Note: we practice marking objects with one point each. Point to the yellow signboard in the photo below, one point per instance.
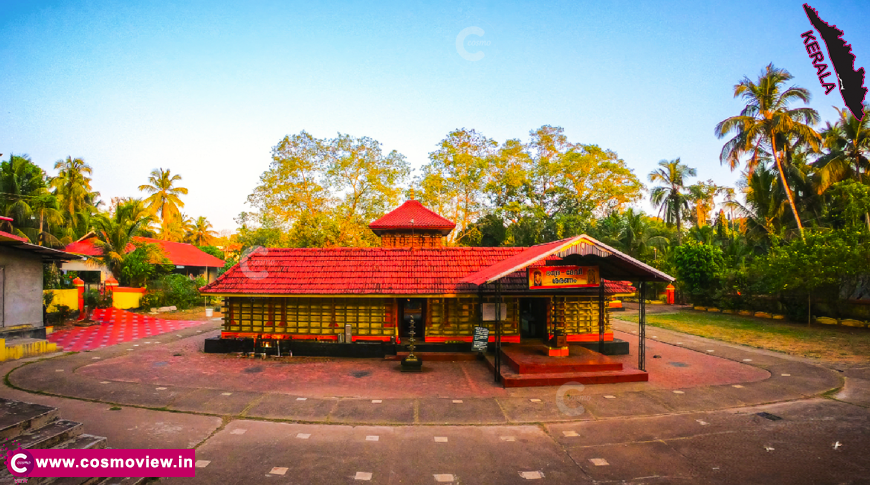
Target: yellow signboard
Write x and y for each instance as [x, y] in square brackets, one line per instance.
[549, 277]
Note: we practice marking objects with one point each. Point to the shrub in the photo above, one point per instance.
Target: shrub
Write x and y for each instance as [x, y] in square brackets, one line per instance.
[173, 290]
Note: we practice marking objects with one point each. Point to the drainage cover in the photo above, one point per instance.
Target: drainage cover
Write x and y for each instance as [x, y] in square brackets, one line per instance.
[360, 373]
[678, 364]
[253, 370]
[160, 364]
[769, 416]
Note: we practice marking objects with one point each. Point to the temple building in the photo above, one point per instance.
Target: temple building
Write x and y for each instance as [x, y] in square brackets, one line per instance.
[372, 294]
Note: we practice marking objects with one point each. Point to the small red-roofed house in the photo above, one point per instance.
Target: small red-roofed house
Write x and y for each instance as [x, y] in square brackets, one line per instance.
[21, 282]
[187, 258]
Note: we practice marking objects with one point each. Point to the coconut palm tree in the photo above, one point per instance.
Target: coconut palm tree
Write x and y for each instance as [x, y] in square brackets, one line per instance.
[767, 121]
[848, 148]
[115, 232]
[201, 233]
[72, 187]
[703, 198]
[165, 201]
[25, 198]
[670, 197]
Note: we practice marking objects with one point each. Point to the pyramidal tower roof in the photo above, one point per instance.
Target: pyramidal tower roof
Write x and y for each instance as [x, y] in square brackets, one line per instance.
[412, 216]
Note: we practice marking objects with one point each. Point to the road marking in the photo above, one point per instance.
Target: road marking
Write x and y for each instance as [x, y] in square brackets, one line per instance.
[443, 477]
[303, 436]
[377, 401]
[747, 360]
[372, 438]
[96, 358]
[535, 475]
[535, 400]
[160, 388]
[711, 351]
[702, 422]
[238, 431]
[226, 394]
[738, 386]
[507, 438]
[457, 401]
[599, 461]
[441, 439]
[202, 463]
[608, 396]
[569, 434]
[104, 382]
[786, 375]
[301, 398]
[679, 392]
[362, 476]
[58, 370]
[278, 470]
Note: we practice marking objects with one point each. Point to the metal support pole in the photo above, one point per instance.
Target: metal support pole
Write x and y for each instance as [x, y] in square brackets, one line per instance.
[641, 329]
[601, 316]
[498, 331]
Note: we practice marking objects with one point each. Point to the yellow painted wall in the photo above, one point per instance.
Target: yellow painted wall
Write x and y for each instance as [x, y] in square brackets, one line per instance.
[124, 300]
[25, 350]
[69, 298]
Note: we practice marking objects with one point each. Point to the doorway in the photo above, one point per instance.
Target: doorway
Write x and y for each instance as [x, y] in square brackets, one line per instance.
[533, 318]
[416, 308]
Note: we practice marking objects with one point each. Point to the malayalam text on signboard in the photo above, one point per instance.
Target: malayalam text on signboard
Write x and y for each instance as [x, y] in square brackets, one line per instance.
[549, 277]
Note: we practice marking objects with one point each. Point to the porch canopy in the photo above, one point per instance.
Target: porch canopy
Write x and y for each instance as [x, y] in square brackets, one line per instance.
[581, 250]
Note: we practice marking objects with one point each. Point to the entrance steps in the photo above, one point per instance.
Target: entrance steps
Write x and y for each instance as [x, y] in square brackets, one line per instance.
[34, 426]
[529, 366]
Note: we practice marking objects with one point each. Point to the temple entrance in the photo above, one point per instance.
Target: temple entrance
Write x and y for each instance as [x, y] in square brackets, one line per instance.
[412, 307]
[533, 318]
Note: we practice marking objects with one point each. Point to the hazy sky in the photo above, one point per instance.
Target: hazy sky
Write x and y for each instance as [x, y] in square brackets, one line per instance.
[208, 88]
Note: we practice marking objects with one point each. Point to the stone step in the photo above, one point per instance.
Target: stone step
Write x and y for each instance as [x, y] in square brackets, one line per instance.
[18, 417]
[83, 442]
[50, 435]
[123, 481]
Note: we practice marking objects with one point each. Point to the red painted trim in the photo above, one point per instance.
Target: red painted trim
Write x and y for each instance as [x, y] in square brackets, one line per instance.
[124, 289]
[510, 339]
[589, 337]
[371, 337]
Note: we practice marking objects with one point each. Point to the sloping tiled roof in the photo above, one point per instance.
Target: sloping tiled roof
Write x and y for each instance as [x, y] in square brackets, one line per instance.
[374, 271]
[179, 254]
[5, 236]
[412, 215]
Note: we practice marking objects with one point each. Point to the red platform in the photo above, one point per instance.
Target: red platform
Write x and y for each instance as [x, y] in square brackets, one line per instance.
[529, 366]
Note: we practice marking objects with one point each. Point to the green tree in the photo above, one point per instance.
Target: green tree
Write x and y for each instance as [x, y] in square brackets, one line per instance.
[201, 233]
[116, 232]
[699, 270]
[670, 197]
[72, 187]
[165, 199]
[24, 197]
[767, 121]
[847, 144]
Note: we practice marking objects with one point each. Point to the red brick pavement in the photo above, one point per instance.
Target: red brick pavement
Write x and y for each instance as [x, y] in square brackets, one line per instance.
[116, 326]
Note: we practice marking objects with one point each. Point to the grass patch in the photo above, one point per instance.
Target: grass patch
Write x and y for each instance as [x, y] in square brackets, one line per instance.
[824, 342]
[114, 408]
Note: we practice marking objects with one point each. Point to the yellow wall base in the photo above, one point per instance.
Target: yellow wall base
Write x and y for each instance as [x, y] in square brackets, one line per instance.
[22, 350]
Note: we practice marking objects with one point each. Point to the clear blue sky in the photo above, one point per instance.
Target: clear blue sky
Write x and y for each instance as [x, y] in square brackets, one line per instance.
[207, 88]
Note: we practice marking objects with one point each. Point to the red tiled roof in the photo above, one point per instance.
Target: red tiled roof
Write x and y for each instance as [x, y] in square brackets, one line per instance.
[387, 271]
[518, 261]
[7, 236]
[412, 215]
[179, 254]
